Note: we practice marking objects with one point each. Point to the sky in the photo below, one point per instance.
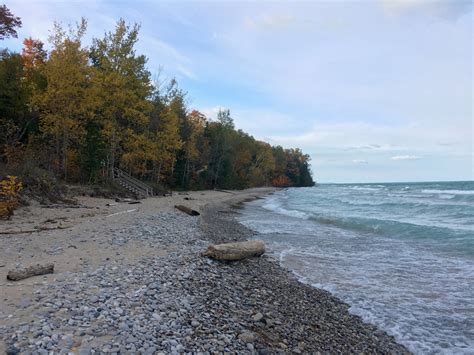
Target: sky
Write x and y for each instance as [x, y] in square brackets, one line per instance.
[373, 91]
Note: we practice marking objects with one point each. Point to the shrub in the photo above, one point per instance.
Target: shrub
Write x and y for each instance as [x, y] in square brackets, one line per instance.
[9, 196]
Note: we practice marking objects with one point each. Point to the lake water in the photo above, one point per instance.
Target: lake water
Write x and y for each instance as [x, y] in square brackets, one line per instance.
[401, 255]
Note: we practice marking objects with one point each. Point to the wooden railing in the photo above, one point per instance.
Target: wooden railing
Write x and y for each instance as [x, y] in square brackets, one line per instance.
[132, 184]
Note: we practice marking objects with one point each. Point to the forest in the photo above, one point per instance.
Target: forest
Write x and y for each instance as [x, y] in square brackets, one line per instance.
[76, 112]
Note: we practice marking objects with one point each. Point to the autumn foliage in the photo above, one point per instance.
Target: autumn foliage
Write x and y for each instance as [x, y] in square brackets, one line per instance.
[83, 111]
[10, 188]
[281, 181]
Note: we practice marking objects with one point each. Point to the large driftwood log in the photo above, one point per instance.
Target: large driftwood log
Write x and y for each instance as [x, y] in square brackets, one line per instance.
[187, 210]
[235, 251]
[35, 270]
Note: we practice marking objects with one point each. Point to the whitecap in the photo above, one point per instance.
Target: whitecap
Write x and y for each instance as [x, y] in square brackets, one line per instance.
[450, 192]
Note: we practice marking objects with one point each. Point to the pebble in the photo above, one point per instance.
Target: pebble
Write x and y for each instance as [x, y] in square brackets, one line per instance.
[247, 337]
[181, 302]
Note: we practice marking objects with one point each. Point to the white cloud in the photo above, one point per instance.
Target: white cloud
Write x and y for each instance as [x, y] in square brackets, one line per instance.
[269, 21]
[211, 112]
[448, 9]
[186, 72]
[398, 139]
[360, 161]
[405, 157]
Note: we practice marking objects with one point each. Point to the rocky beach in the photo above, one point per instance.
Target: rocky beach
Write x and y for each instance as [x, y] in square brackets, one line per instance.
[131, 279]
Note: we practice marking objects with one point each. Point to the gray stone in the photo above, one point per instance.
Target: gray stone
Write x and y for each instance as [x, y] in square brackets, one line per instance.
[247, 337]
[257, 317]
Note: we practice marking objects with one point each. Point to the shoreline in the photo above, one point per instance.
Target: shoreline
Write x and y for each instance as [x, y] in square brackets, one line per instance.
[135, 282]
[335, 328]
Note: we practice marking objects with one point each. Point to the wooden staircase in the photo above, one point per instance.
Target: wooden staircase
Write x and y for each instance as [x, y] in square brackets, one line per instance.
[132, 184]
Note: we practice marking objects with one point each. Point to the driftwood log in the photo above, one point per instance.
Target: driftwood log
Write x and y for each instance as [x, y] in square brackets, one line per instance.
[187, 210]
[35, 270]
[235, 251]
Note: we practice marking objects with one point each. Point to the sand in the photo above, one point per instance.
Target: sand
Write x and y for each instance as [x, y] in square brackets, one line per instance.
[78, 242]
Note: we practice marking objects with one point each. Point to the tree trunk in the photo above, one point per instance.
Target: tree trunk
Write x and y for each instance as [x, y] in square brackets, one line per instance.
[112, 154]
[159, 173]
[185, 172]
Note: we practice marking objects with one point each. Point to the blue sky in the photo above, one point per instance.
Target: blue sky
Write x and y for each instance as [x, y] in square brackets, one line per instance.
[372, 90]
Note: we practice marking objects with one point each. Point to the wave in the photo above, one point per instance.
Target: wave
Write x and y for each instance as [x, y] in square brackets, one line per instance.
[277, 207]
[449, 192]
[386, 227]
[372, 225]
[363, 188]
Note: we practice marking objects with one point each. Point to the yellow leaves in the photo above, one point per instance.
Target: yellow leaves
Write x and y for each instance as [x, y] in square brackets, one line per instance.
[9, 195]
[138, 151]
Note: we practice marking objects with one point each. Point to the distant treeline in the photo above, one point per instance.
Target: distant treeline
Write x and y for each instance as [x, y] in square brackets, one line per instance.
[77, 112]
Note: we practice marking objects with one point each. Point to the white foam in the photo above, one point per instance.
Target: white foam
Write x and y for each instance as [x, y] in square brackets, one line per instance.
[363, 188]
[276, 206]
[449, 192]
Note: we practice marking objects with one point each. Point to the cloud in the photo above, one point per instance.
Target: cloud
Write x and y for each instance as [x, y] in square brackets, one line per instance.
[186, 72]
[366, 147]
[447, 9]
[211, 112]
[269, 21]
[360, 161]
[395, 139]
[405, 157]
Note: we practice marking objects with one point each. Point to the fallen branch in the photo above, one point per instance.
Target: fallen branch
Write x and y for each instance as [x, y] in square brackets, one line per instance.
[123, 200]
[37, 229]
[36, 270]
[65, 206]
[235, 251]
[187, 210]
[26, 231]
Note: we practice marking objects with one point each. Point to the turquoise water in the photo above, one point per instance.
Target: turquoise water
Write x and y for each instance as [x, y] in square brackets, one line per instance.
[400, 254]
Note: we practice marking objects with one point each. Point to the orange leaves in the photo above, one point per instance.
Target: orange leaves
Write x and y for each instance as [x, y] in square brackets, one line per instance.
[33, 53]
[281, 181]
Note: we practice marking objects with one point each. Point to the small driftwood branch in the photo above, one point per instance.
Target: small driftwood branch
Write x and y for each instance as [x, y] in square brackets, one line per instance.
[36, 230]
[122, 212]
[187, 210]
[235, 251]
[65, 206]
[35, 270]
[227, 192]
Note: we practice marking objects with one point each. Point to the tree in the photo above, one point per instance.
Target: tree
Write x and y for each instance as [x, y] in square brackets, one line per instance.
[8, 22]
[33, 53]
[123, 89]
[67, 104]
[79, 111]
[220, 134]
[13, 102]
[192, 131]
